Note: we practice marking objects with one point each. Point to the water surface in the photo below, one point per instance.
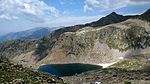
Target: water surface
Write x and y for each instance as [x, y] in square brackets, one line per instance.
[68, 69]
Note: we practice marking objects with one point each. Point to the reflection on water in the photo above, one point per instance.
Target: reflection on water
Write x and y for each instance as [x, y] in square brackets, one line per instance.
[68, 69]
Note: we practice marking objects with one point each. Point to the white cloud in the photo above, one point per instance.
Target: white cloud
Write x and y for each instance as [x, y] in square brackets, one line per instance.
[72, 20]
[26, 8]
[105, 5]
[87, 8]
[7, 17]
[29, 9]
[54, 11]
[92, 2]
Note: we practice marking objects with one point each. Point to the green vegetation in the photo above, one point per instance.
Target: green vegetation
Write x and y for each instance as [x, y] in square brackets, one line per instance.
[140, 62]
[16, 74]
[135, 37]
[127, 82]
[130, 64]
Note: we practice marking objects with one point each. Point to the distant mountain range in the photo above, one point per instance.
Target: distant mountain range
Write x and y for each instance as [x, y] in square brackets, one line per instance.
[31, 34]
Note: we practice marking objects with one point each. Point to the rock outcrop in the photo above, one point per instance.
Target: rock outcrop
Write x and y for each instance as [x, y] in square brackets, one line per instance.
[102, 45]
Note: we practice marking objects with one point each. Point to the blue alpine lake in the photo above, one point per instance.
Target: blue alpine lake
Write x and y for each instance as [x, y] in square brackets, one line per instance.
[68, 69]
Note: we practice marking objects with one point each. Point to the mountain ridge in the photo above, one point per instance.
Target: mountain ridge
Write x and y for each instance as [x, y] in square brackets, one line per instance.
[101, 45]
[54, 36]
[32, 34]
[47, 49]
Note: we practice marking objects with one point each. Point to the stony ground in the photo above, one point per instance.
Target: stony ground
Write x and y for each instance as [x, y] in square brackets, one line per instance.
[110, 76]
[15, 74]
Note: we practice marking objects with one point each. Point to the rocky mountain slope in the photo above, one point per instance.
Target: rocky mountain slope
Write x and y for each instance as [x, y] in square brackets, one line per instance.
[102, 44]
[97, 42]
[32, 34]
[109, 19]
[11, 73]
[11, 49]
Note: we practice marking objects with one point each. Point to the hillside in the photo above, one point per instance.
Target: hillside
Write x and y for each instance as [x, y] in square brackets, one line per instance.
[16, 74]
[101, 45]
[137, 62]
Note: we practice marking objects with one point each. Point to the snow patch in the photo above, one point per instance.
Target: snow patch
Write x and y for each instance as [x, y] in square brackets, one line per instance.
[105, 65]
[121, 58]
[98, 83]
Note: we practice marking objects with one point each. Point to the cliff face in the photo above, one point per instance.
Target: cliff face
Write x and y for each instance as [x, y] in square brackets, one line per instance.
[102, 45]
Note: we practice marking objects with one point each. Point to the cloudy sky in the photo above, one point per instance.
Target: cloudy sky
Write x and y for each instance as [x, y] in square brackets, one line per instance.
[18, 15]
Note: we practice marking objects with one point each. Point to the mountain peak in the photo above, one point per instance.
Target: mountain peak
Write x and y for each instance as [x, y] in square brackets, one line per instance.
[113, 14]
[147, 12]
[109, 19]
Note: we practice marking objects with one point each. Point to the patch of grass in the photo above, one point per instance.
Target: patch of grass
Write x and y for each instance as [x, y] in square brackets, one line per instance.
[127, 82]
[133, 63]
[129, 64]
[14, 73]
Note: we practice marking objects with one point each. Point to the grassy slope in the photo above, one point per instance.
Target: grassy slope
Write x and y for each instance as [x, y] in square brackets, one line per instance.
[139, 62]
[11, 73]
